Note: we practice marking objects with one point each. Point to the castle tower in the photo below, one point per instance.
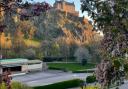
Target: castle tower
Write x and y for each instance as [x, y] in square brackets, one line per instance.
[65, 6]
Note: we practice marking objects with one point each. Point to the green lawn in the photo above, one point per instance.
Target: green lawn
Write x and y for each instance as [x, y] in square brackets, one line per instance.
[70, 66]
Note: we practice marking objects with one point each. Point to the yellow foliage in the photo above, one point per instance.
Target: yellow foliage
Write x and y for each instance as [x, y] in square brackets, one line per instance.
[2, 86]
[15, 85]
[5, 41]
[32, 32]
[92, 87]
[32, 43]
[15, 18]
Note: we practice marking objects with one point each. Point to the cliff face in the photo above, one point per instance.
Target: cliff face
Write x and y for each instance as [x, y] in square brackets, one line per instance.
[55, 24]
[52, 25]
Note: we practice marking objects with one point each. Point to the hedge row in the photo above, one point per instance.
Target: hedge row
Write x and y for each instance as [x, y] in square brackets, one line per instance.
[62, 85]
[91, 79]
[63, 69]
[77, 71]
[83, 71]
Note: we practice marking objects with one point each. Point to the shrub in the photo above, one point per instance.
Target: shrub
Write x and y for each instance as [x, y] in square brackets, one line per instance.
[62, 85]
[126, 67]
[2, 86]
[93, 87]
[91, 79]
[117, 64]
[84, 62]
[15, 85]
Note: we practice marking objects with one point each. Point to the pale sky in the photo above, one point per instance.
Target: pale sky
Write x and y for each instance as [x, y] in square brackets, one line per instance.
[51, 2]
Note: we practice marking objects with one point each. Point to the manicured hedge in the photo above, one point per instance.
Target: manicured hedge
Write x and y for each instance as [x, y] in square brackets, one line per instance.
[62, 85]
[53, 68]
[84, 71]
[62, 69]
[77, 71]
[91, 79]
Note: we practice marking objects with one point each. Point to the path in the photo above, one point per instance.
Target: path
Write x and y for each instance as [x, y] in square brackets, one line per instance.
[49, 77]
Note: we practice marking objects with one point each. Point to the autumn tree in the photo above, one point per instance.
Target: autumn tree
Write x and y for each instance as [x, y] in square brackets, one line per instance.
[18, 42]
[8, 8]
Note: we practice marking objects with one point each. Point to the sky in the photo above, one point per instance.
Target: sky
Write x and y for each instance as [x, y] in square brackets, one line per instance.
[77, 4]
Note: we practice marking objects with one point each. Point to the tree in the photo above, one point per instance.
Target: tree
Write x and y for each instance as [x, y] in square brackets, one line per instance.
[82, 55]
[30, 53]
[25, 10]
[55, 50]
[111, 17]
[102, 71]
[39, 54]
[45, 47]
[18, 41]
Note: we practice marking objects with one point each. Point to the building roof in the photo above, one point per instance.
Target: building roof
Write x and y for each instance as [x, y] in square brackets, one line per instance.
[13, 61]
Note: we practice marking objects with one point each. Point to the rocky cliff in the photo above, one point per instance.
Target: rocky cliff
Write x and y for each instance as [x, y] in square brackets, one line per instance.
[52, 25]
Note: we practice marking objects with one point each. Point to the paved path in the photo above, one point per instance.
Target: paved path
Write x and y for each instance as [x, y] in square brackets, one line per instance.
[49, 77]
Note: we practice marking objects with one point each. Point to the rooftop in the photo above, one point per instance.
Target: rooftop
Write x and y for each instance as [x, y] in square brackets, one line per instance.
[11, 61]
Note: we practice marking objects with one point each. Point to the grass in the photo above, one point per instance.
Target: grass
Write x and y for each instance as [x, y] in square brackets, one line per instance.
[32, 43]
[70, 66]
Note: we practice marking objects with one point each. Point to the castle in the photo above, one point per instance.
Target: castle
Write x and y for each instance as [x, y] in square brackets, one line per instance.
[66, 7]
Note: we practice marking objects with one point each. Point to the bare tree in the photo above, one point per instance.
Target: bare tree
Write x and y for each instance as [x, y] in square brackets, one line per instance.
[82, 54]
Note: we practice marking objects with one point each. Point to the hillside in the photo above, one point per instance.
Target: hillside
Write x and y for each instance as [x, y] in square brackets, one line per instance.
[54, 32]
[52, 25]
[55, 24]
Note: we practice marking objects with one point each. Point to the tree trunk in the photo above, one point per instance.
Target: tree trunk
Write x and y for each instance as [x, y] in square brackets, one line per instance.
[0, 74]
